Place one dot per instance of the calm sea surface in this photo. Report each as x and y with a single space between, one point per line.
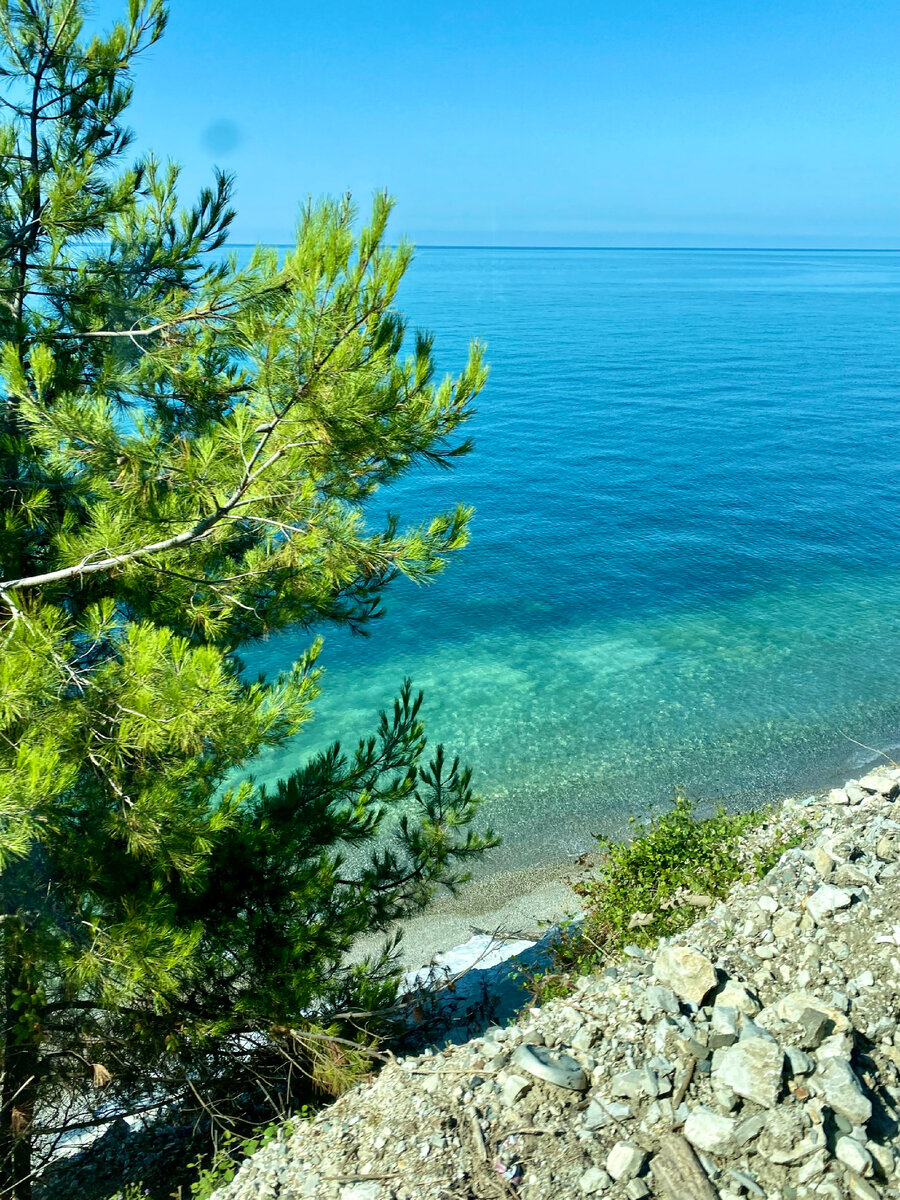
685 562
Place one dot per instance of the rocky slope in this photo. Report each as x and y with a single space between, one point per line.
756 1055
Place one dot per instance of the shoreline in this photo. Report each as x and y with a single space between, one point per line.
521 904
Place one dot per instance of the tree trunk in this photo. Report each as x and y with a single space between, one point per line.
19 1090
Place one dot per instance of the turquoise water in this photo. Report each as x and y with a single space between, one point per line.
684 568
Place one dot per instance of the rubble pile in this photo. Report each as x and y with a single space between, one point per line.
756 1055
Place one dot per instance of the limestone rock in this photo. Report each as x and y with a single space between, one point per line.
594 1180
631 1085
663 998
724 1029
888 848
843 1091
827 900
794 1005
737 995
626 1161
860 1189
709 1131
686 971
878 783
854 1155
752 1069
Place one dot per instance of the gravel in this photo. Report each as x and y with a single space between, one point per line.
756 1055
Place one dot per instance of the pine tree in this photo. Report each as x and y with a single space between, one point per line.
186 451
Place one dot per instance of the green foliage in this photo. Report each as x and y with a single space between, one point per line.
645 878
131 1191
187 448
222 1165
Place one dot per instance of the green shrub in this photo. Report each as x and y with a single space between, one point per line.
221 1167
637 893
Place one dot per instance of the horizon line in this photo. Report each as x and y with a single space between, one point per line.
693 249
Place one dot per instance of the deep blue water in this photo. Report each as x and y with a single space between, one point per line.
685 563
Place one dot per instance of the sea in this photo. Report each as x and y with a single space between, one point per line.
684 568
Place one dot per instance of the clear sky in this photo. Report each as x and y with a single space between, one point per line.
581 122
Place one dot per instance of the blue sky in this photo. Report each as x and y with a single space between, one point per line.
611 122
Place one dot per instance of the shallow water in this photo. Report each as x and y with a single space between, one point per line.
684 567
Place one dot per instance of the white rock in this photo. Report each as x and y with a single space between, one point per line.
736 995
883 1155
827 900
662 998
625 1160
584 1038
363 1191
723 1027
822 860
843 1091
792 1007
686 971
752 1069
878 783
709 1131
594 1180
596 1116
854 1155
